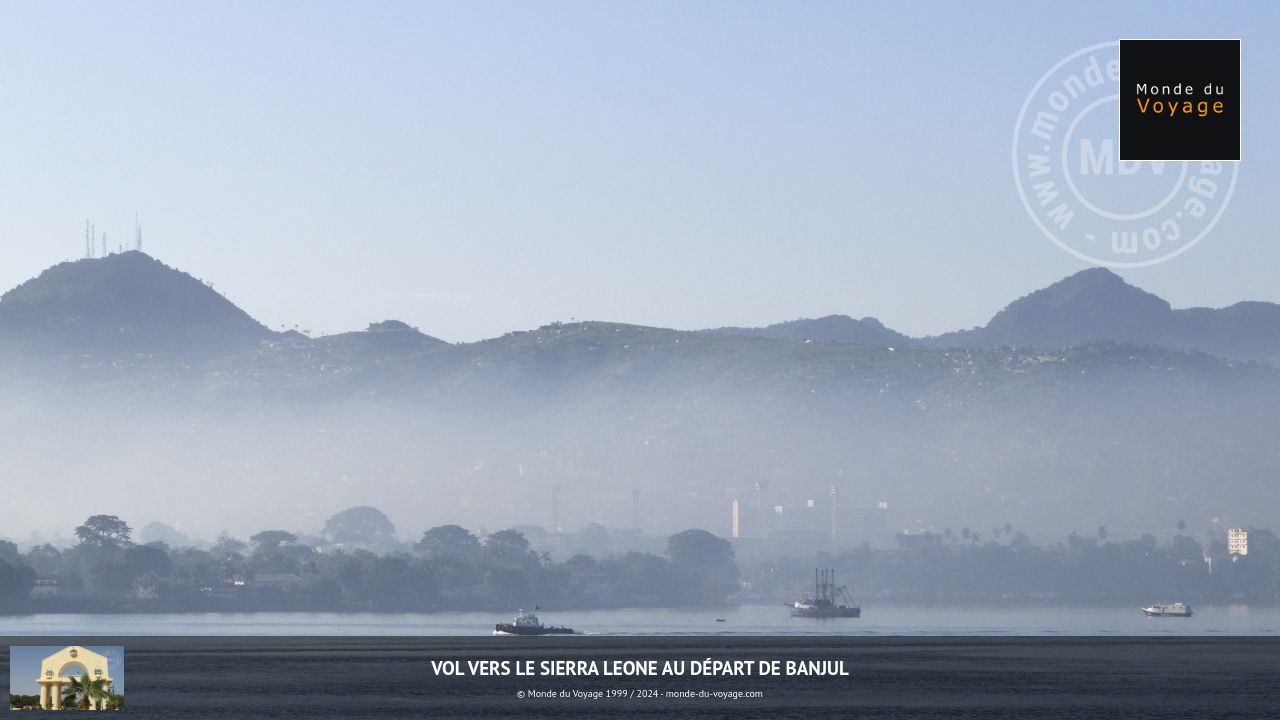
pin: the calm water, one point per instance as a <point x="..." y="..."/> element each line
<point x="743" y="620"/>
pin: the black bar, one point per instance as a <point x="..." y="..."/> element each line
<point x="926" y="677"/>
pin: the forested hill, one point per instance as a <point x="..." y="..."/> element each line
<point x="1093" y="305"/>
<point x="1060" y="438"/>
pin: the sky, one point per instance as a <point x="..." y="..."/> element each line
<point x="474" y="168"/>
<point x="24" y="666"/>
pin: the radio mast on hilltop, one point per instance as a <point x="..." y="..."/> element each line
<point x="835" y="535"/>
<point x="761" y="519"/>
<point x="635" y="508"/>
<point x="95" y="246"/>
<point x="555" y="508"/>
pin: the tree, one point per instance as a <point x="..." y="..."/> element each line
<point x="1186" y="549"/>
<point x="45" y="559"/>
<point x="582" y="563"/>
<point x="108" y="578"/>
<point x="147" y="561"/>
<point x="507" y="587"/>
<point x="646" y="579"/>
<point x="269" y="540"/>
<point x="196" y="568"/>
<point x="228" y="554"/>
<point x="81" y="692"/>
<point x="362" y="527"/>
<point x="508" y="547"/>
<point x="698" y="548"/>
<point x="159" y="532"/>
<point x="16" y="582"/>
<point x="707" y="563"/>
<point x="277" y="551"/>
<point x="395" y="583"/>
<point x="448" y="541"/>
<point x="24" y="702"/>
<point x="105" y="531"/>
<point x="227" y="545"/>
<point x="8" y="552"/>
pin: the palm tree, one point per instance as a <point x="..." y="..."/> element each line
<point x="81" y="692"/>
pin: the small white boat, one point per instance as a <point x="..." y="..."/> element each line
<point x="1167" y="610"/>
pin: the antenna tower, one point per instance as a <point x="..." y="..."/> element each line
<point x="761" y="519"/>
<point x="555" y="508"/>
<point x="635" y="508"/>
<point x="834" y="527"/>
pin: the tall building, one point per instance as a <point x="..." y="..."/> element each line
<point x="1238" y="541"/>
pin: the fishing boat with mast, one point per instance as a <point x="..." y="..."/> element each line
<point x="828" y="600"/>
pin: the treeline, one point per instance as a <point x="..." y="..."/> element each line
<point x="933" y="567"/>
<point x="357" y="565"/>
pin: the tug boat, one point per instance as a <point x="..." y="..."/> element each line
<point x="825" y="602"/>
<point x="1167" y="610"/>
<point x="526" y="623"/>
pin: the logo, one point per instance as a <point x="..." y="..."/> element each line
<point x="1082" y="196"/>
<point x="1180" y="99"/>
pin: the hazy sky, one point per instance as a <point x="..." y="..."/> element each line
<point x="473" y="168"/>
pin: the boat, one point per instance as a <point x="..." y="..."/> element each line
<point x="827" y="601"/>
<point x="526" y="623"/>
<point x="1167" y="610"/>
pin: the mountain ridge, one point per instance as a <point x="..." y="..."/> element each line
<point x="129" y="304"/>
<point x="829" y="328"/>
<point x="122" y="305"/>
<point x="1092" y="305"/>
<point x="479" y="432"/>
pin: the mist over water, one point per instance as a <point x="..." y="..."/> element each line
<point x="924" y="468"/>
<point x="212" y="423"/>
<point x="742" y="620"/>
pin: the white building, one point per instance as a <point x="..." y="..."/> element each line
<point x="1238" y="541"/>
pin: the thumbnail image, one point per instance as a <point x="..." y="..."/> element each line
<point x="71" y="677"/>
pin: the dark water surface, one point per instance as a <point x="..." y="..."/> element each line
<point x="940" y="677"/>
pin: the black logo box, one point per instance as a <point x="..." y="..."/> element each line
<point x="1185" y="68"/>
